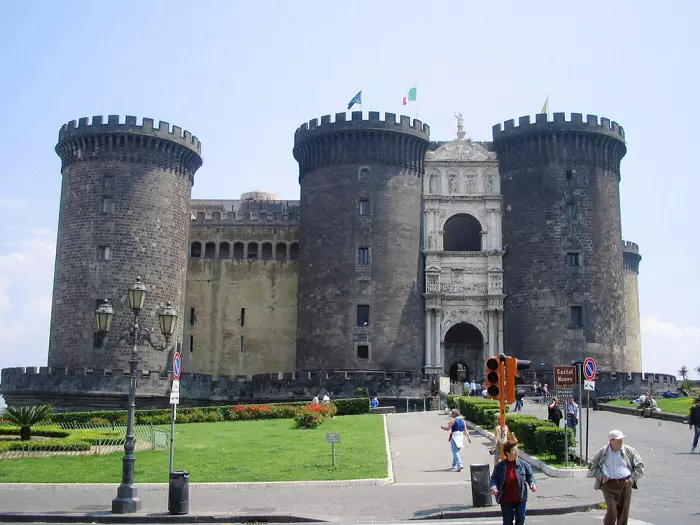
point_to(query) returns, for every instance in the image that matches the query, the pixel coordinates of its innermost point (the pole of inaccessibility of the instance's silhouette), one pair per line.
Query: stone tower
(124, 213)
(562, 235)
(633, 347)
(360, 286)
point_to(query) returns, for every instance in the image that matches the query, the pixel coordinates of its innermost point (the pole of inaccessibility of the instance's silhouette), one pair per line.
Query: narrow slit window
(242, 316)
(191, 343)
(362, 315)
(193, 317)
(363, 255)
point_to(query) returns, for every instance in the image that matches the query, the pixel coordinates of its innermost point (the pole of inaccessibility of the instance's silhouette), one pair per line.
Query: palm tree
(698, 370)
(683, 371)
(26, 417)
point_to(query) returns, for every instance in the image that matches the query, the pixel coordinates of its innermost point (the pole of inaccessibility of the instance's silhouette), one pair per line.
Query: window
(362, 315)
(572, 259)
(191, 343)
(108, 183)
(252, 250)
(210, 249)
(193, 317)
(363, 175)
(570, 210)
(267, 251)
(103, 253)
(224, 250)
(238, 249)
(241, 347)
(363, 255)
(281, 251)
(363, 351)
(242, 316)
(363, 207)
(108, 205)
(576, 317)
(196, 249)
(294, 251)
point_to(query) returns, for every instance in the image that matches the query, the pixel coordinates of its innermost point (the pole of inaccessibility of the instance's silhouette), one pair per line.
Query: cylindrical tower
(124, 213)
(633, 346)
(561, 231)
(360, 285)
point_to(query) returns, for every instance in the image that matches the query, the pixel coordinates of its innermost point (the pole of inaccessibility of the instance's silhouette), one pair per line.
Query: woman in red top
(509, 482)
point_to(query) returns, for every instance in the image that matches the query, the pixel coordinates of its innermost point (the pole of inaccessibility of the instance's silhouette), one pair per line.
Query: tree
(698, 370)
(683, 371)
(26, 418)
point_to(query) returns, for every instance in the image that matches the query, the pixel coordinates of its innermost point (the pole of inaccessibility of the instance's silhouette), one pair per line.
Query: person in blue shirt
(374, 403)
(457, 429)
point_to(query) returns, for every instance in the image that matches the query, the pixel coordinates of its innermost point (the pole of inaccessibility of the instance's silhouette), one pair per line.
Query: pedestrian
(326, 399)
(457, 429)
(509, 481)
(616, 468)
(694, 421)
(314, 401)
(572, 415)
(501, 435)
(554, 412)
(374, 403)
(519, 401)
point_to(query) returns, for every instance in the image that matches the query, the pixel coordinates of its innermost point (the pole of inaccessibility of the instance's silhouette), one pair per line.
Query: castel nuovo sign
(564, 376)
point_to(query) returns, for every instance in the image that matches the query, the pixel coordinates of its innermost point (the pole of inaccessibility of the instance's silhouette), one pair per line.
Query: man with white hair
(616, 468)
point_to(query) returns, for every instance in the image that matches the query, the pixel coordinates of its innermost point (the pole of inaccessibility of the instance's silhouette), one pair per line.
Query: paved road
(670, 479)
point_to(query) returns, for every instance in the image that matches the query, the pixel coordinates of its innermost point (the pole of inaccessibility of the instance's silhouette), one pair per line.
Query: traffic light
(513, 368)
(493, 378)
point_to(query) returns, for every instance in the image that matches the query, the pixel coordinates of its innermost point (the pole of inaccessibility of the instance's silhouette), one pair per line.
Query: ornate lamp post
(127, 500)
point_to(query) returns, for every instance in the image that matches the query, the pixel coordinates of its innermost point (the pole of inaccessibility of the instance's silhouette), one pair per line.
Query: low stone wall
(633, 411)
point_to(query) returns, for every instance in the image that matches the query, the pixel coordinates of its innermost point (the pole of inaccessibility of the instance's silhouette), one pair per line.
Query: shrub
(452, 401)
(550, 440)
(51, 445)
(314, 414)
(350, 406)
(475, 409)
(524, 430)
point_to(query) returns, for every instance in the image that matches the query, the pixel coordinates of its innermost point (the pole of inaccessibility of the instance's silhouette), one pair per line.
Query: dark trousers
(697, 436)
(511, 511)
(618, 496)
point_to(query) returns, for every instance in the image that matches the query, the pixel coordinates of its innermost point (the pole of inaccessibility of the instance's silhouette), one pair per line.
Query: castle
(404, 259)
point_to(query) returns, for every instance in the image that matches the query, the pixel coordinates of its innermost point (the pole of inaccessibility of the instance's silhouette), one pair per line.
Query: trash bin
(481, 479)
(179, 492)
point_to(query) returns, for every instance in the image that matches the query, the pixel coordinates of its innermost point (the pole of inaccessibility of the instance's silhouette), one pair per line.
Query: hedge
(550, 440)
(476, 410)
(51, 445)
(236, 412)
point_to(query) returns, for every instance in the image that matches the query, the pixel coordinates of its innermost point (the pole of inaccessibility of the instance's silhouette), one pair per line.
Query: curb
(107, 517)
(552, 472)
(371, 482)
(444, 515)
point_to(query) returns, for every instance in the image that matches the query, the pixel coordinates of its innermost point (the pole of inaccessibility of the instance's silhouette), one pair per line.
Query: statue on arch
(460, 126)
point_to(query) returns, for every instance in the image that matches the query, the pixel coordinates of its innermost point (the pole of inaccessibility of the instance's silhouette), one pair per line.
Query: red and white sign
(589, 369)
(564, 376)
(177, 366)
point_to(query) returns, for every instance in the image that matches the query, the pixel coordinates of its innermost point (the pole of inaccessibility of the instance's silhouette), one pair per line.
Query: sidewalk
(424, 487)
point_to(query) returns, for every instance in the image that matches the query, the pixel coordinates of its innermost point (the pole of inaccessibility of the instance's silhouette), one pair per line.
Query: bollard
(481, 479)
(179, 492)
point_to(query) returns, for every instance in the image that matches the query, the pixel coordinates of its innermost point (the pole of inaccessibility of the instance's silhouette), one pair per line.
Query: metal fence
(77, 439)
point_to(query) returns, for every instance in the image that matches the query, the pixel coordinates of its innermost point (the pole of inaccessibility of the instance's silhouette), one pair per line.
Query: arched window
(252, 250)
(196, 249)
(238, 250)
(210, 250)
(281, 251)
(294, 251)
(462, 233)
(267, 251)
(224, 250)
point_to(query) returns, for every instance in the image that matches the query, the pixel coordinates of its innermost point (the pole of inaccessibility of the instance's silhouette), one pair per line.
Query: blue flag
(357, 99)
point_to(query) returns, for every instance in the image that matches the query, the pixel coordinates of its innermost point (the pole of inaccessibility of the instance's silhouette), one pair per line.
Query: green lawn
(264, 450)
(679, 405)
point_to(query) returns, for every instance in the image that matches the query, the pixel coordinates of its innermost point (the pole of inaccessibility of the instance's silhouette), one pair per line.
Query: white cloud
(13, 203)
(666, 346)
(26, 280)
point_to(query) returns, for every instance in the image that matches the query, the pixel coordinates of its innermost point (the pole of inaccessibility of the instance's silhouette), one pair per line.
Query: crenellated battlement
(357, 122)
(129, 126)
(630, 247)
(576, 123)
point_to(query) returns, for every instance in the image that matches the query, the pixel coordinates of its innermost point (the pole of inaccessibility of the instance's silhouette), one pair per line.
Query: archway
(462, 233)
(463, 348)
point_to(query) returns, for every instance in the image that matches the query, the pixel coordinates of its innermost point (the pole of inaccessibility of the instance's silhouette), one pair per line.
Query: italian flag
(411, 97)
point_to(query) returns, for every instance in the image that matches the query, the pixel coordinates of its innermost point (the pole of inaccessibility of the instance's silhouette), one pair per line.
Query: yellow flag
(545, 107)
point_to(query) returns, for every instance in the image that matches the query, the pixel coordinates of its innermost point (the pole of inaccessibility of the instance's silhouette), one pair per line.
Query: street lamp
(127, 500)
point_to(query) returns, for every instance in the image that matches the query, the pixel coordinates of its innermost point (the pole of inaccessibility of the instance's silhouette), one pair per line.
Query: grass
(264, 450)
(678, 405)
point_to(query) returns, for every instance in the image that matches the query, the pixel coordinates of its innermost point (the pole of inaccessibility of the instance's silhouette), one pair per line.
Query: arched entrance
(462, 233)
(463, 347)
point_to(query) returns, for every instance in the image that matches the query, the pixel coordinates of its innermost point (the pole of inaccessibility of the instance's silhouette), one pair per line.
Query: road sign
(564, 376)
(332, 437)
(176, 386)
(589, 369)
(589, 385)
(174, 398)
(177, 366)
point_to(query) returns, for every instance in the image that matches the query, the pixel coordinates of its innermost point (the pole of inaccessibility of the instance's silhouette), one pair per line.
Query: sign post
(174, 401)
(589, 373)
(332, 438)
(565, 379)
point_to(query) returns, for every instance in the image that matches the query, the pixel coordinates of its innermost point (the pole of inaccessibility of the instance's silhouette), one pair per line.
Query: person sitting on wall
(374, 403)
(649, 407)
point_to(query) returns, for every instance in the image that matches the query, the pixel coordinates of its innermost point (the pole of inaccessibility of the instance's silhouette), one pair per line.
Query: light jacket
(634, 460)
(523, 471)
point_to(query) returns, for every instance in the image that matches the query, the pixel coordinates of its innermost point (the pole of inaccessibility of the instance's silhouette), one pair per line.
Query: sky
(242, 76)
